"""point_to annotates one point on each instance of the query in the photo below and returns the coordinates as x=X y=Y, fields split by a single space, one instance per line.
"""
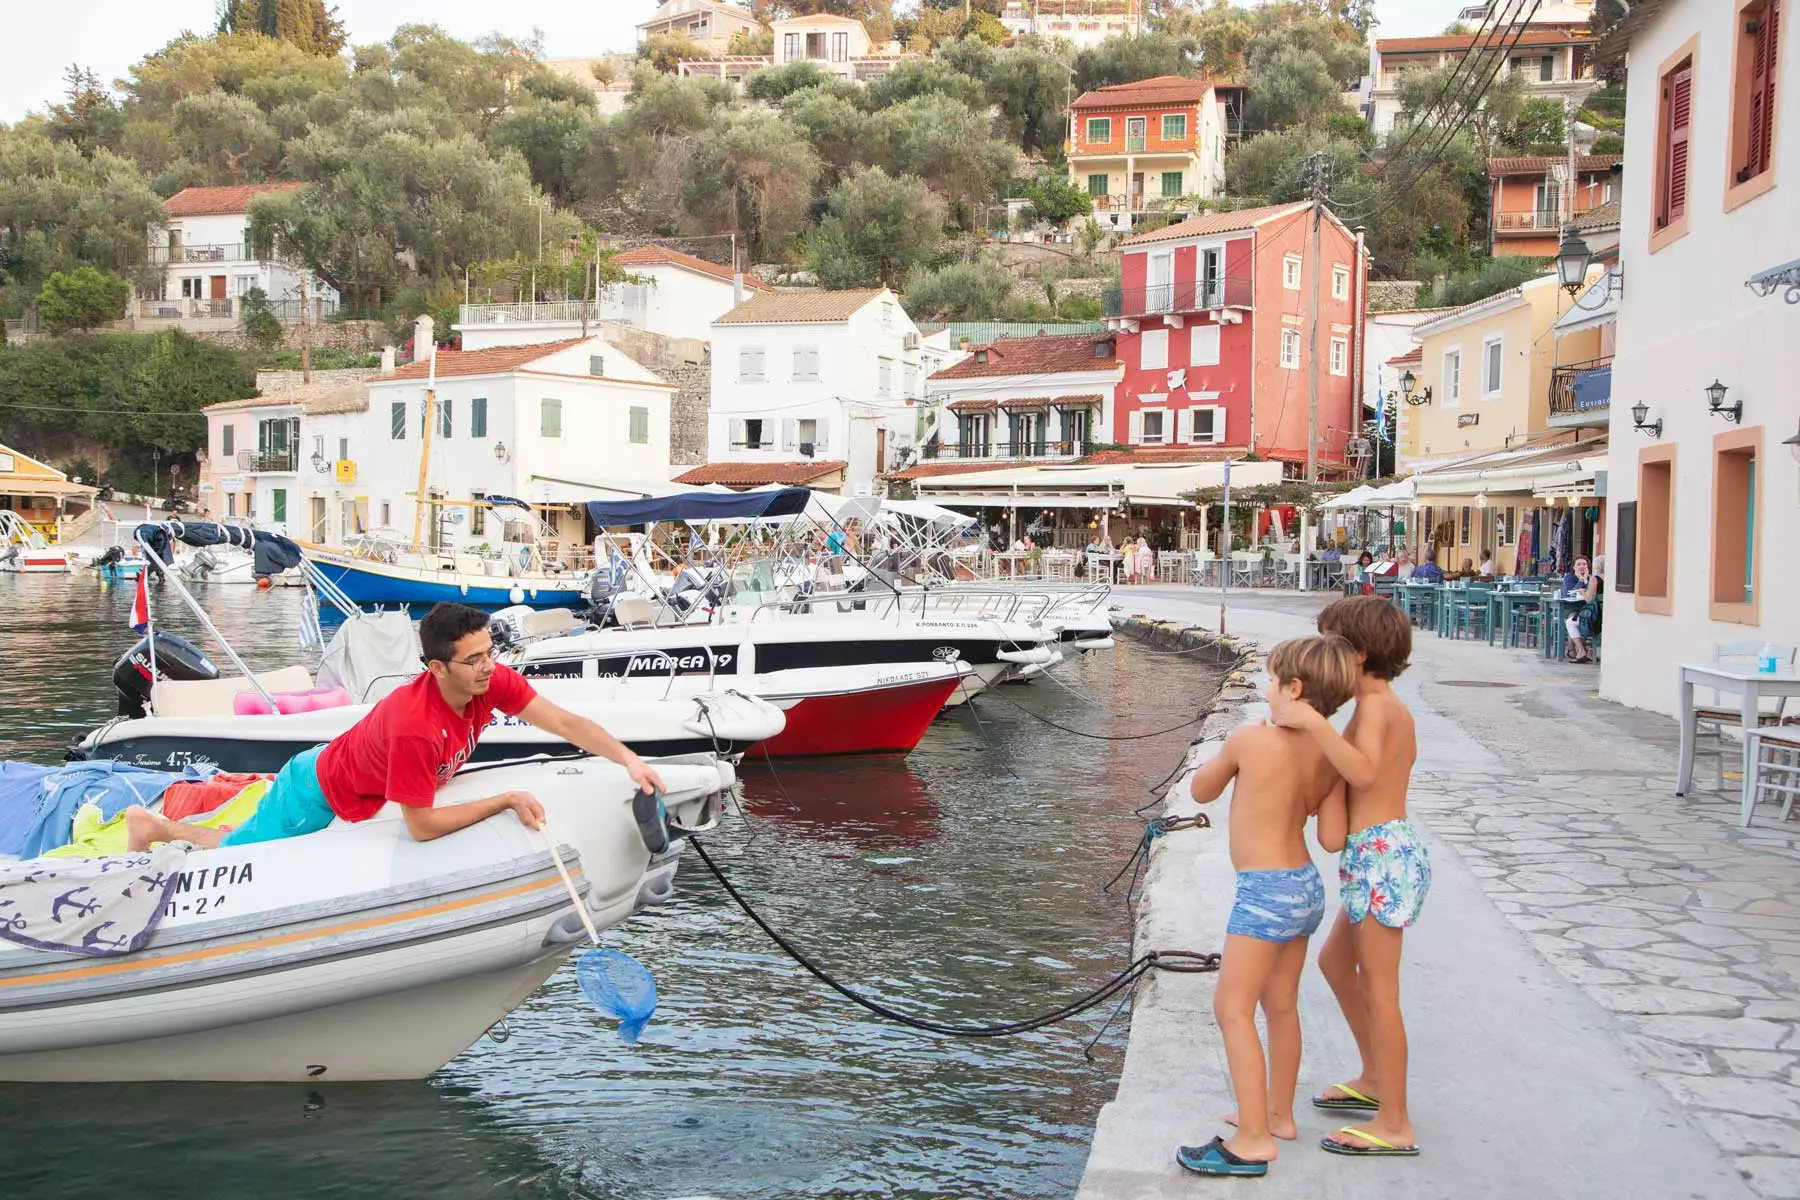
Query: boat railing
x=193 y=605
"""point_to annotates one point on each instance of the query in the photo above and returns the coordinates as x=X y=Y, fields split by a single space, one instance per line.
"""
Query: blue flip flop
x=1214 y=1159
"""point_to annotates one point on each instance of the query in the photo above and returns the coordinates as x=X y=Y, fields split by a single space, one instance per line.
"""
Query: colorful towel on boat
x=95 y=906
x=38 y=804
x=96 y=835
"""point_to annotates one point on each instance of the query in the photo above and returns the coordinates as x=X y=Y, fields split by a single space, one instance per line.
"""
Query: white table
x=1751 y=687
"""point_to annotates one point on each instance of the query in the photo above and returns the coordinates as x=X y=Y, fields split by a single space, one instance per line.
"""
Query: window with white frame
x=884 y=377
x=1492 y=350
x=1154 y=346
x=1290 y=272
x=1340 y=283
x=1152 y=426
x=1203 y=346
x=1290 y=348
x=750 y=364
x=806 y=364
x=1340 y=356
x=1452 y=378
x=1206 y=424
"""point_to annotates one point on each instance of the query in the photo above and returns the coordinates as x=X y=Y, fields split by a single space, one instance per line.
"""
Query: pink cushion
x=250 y=704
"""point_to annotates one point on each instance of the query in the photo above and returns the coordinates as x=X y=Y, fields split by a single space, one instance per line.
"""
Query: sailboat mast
x=424 y=497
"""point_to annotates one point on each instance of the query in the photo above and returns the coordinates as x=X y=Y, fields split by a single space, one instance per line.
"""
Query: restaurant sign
x=1468 y=419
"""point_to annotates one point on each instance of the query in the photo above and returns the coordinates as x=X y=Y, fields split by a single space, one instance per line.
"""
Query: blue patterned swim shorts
x=1278 y=906
x=1385 y=872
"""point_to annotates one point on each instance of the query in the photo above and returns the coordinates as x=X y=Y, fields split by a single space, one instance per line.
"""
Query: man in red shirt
x=407 y=747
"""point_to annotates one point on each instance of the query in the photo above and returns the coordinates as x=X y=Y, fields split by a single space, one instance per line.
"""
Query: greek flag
x=696 y=543
x=310 y=633
x=617 y=568
x=1380 y=406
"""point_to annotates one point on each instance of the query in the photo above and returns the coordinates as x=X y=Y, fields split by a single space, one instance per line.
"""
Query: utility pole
x=305 y=327
x=1568 y=205
x=1317 y=166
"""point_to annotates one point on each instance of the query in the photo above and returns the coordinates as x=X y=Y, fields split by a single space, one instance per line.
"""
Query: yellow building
x=44 y=496
x=1479 y=436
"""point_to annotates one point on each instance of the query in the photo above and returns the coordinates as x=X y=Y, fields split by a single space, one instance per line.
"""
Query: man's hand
x=641 y=774
x=530 y=812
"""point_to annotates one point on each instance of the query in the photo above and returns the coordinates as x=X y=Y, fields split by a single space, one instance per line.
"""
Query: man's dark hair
x=1375 y=628
x=444 y=626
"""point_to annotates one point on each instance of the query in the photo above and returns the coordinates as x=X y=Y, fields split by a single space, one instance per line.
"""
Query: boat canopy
x=273 y=553
x=699 y=506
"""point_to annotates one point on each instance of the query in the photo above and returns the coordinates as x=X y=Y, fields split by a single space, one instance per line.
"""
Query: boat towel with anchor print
x=93 y=906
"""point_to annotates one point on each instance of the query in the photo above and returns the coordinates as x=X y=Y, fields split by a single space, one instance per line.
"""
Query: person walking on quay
x=1282 y=780
x=1383 y=874
x=407 y=747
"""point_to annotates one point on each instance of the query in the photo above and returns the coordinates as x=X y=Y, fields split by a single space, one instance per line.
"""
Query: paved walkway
x=1601 y=995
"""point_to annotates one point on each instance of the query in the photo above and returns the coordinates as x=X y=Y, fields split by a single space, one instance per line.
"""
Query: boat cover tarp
x=699 y=506
x=93 y=906
x=368 y=650
x=273 y=553
x=38 y=804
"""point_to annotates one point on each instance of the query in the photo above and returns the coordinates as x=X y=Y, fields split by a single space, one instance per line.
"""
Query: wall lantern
x=1572 y=261
x=500 y=452
x=1793 y=445
x=1715 y=401
x=1640 y=420
x=1409 y=382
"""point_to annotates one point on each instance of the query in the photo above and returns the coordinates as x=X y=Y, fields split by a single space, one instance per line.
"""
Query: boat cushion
x=248 y=704
x=217 y=697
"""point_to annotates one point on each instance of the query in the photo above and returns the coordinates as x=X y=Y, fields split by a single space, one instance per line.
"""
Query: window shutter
x=823 y=433
x=788 y=440
x=1135 y=429
x=1762 y=88
x=1218 y=426
x=739 y=431
x=1681 y=100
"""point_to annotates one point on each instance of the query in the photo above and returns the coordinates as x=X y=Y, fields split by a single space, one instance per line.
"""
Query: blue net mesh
x=619 y=986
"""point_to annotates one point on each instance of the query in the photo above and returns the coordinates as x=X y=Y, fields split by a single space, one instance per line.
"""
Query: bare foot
x=1251 y=1151
x=142 y=827
x=1282 y=1127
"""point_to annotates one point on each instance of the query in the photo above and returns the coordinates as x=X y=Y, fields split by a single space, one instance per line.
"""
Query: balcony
x=1581 y=393
x=1538 y=221
x=200 y=253
x=989 y=451
x=1169 y=298
x=269 y=461
x=225 y=308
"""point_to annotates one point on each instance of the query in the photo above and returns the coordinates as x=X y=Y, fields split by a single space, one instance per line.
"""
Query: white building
x=840 y=46
x=209 y=264
x=1038 y=398
x=1084 y=23
x=1552 y=61
x=670 y=294
x=704 y=21
x=820 y=388
x=1703 y=510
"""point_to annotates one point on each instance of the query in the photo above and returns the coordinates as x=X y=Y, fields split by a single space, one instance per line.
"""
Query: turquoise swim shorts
x=295 y=804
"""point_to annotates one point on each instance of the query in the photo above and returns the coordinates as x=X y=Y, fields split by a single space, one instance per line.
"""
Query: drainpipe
x=737 y=288
x=1359 y=313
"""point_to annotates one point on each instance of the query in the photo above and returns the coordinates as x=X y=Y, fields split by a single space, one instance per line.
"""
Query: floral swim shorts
x=1385 y=872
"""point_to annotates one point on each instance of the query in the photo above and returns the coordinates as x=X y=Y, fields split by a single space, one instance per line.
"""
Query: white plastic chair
x=1711 y=721
x=1774 y=771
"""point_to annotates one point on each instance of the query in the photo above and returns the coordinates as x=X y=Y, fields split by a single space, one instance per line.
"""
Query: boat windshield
x=753 y=583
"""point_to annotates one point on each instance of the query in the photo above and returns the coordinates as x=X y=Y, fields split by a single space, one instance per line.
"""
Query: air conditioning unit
x=909 y=341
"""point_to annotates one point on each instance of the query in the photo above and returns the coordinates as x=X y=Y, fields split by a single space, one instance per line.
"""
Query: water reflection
x=960 y=883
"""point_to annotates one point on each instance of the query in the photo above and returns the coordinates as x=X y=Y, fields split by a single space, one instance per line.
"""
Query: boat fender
x=659 y=890
x=652 y=821
x=516 y=595
x=465 y=589
x=264 y=583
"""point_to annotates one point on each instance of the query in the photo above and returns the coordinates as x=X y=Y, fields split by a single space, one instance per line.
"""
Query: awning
x=1088 y=401
x=1053 y=486
x=972 y=405
x=1515 y=473
x=548 y=489
x=699 y=506
x=1025 y=404
x=56 y=489
x=1354 y=498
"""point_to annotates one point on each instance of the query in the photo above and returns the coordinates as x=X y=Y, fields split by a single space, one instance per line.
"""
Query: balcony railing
x=268 y=460
x=1067 y=448
x=1161 y=298
x=201 y=252
x=1136 y=202
x=541 y=310
x=1581 y=388
x=1539 y=221
x=187 y=308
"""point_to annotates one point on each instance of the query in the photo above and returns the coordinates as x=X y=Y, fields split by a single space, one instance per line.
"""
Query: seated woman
x=1584 y=622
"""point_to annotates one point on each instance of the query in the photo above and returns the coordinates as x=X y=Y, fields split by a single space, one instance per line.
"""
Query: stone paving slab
x=1615 y=965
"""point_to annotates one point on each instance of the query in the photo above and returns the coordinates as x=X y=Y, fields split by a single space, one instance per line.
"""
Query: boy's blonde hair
x=1325 y=666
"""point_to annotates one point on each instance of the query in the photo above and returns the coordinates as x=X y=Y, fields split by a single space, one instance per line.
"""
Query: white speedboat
x=354 y=953
x=24 y=550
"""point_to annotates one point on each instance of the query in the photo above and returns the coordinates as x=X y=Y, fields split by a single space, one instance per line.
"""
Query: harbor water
x=962 y=883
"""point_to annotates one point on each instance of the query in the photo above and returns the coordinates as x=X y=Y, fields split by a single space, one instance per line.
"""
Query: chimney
x=387 y=360
x=737 y=288
x=422 y=341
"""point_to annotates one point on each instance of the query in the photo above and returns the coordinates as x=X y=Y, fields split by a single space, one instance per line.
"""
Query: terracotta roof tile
x=1025 y=403
x=1217 y=222
x=755 y=474
x=646 y=256
x=1412 y=357
x=972 y=405
x=1160 y=89
x=1599 y=217
x=797 y=307
x=1463 y=41
x=221 y=201
x=927 y=470
x=1079 y=401
x=1538 y=164
x=1039 y=355
x=482 y=362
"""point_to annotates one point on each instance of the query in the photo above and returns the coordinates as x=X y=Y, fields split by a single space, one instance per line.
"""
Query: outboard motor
x=176 y=658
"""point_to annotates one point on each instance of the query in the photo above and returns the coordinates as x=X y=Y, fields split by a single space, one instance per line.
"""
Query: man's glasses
x=475 y=661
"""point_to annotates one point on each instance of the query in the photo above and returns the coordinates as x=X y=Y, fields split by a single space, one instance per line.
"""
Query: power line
x=1436 y=112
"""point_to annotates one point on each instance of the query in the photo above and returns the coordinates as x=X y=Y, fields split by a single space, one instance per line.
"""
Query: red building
x=1213 y=328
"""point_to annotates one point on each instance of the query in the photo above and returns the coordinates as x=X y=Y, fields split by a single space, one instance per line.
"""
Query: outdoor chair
x=1527 y=626
x=1712 y=721
x=1246 y=572
x=1466 y=612
x=1774 y=771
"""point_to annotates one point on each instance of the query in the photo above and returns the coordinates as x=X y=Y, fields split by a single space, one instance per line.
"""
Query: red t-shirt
x=410 y=744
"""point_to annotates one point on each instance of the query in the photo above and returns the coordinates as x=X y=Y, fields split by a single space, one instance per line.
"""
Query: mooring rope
x=1101 y=737
x=1186 y=961
x=1154 y=828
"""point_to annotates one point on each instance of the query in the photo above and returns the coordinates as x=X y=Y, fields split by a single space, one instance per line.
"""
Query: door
x=217 y=297
x=1159 y=294
x=881 y=459
x=316 y=526
x=1134 y=134
x=1137 y=187
x=1075 y=430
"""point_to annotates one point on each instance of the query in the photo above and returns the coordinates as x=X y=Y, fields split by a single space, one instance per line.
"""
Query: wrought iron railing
x=1159 y=298
x=1584 y=387
x=268 y=460
x=1045 y=448
x=1540 y=220
x=541 y=310
x=200 y=252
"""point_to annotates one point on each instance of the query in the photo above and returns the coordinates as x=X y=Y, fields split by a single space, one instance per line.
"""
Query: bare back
x=1282 y=778
x=1382 y=728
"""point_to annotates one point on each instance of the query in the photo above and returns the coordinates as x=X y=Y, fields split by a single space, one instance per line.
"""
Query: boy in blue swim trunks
x=1282 y=779
x=1383 y=875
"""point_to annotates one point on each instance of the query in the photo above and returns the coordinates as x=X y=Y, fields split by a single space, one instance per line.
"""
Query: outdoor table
x=1751 y=687
x=1500 y=611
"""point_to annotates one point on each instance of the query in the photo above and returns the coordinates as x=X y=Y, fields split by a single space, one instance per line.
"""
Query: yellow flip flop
x=1375 y=1149
x=1351 y=1099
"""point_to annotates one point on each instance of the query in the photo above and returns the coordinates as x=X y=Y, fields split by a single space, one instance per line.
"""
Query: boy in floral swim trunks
x=1282 y=779
x=1383 y=875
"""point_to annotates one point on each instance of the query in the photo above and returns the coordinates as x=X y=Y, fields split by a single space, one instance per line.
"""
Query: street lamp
x=1715 y=402
x=1409 y=382
x=1640 y=420
x=1572 y=261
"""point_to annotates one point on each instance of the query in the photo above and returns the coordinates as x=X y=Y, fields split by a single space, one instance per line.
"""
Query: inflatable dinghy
x=354 y=953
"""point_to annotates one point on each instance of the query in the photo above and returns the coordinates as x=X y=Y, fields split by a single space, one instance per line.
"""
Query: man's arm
x=1210 y=780
x=578 y=731
x=1359 y=761
x=427 y=823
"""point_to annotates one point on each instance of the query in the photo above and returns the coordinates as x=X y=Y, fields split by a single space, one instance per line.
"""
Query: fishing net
x=619 y=986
